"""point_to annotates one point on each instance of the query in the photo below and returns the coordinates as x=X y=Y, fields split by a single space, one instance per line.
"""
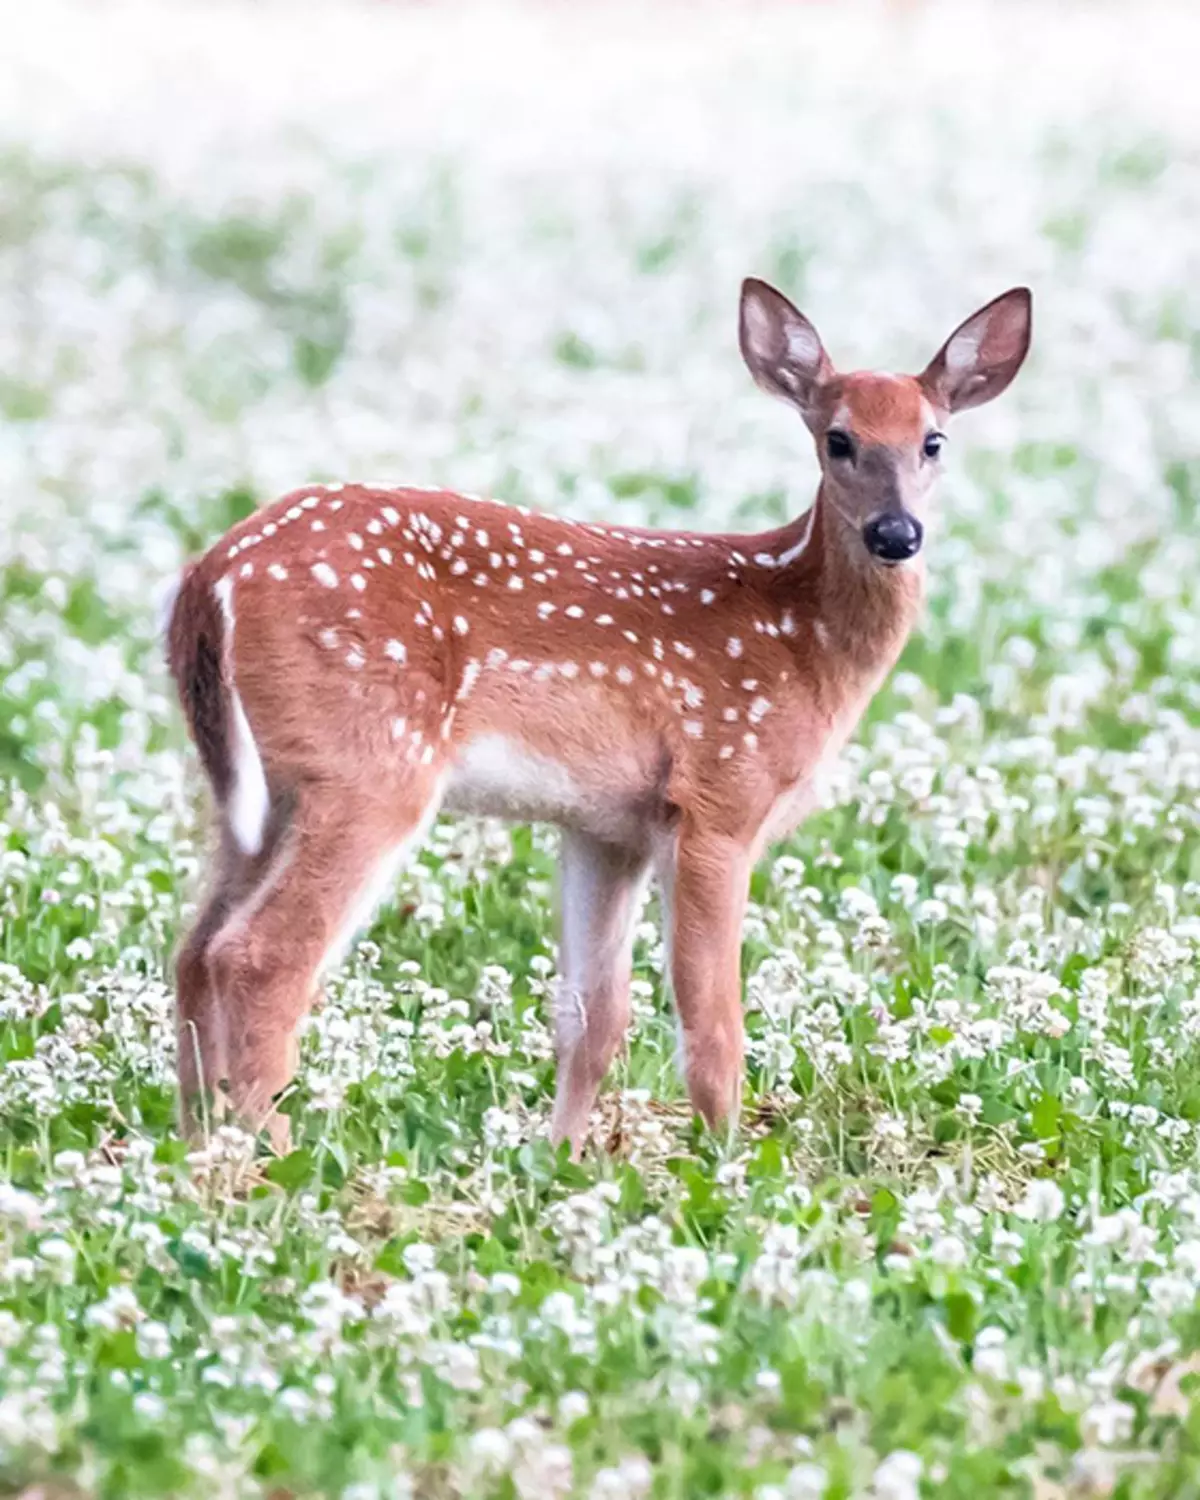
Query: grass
x=954 y=1247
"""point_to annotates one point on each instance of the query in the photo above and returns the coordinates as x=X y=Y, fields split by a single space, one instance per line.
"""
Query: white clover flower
x=630 y=1480
x=1042 y=1202
x=150 y=1406
x=118 y=1310
x=490 y=1449
x=898 y=1476
x=805 y=1481
x=1107 y=1423
x=572 y=1407
x=153 y=1340
x=19 y=1207
x=949 y=1251
x=58 y=1257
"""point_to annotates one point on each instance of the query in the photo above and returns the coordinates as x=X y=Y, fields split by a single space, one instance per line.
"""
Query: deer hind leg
x=200 y=1020
x=200 y=1037
x=342 y=851
x=602 y=885
x=707 y=885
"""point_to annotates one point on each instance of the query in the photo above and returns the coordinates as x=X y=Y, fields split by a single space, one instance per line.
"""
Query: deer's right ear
x=781 y=348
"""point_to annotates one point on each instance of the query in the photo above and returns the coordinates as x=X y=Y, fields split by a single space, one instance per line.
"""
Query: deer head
x=880 y=437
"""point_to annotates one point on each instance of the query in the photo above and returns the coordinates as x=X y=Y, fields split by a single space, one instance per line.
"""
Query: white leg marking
x=664 y=869
x=599 y=908
x=249 y=801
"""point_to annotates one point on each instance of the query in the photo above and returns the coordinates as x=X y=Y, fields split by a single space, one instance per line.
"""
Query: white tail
x=354 y=658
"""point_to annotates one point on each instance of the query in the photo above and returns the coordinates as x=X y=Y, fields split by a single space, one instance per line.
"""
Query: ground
x=954 y=1247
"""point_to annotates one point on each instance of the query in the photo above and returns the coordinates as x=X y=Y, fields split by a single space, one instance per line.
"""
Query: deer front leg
x=602 y=887
x=706 y=886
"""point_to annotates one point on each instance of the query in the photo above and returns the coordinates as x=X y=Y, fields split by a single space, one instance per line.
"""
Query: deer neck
x=860 y=613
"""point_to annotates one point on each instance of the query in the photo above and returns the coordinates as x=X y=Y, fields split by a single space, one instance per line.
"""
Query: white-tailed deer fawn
x=355 y=657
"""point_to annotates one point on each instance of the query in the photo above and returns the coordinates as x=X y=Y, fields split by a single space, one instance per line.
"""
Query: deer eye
x=934 y=442
x=839 y=444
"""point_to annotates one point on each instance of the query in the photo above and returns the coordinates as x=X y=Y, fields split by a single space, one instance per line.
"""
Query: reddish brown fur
x=887 y=409
x=669 y=698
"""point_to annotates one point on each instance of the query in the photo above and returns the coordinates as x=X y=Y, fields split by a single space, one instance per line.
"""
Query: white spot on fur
x=733 y=647
x=396 y=650
x=470 y=677
x=324 y=575
x=758 y=710
x=277 y=570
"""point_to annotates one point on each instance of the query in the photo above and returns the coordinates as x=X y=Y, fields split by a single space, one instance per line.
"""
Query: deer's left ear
x=982 y=355
x=782 y=350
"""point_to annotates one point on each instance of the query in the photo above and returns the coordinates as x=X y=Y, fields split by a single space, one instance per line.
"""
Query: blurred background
x=499 y=247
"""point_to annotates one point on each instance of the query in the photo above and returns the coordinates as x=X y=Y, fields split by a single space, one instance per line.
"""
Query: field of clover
x=954 y=1248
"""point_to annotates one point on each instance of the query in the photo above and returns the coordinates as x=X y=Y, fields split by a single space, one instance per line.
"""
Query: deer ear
x=781 y=348
x=982 y=355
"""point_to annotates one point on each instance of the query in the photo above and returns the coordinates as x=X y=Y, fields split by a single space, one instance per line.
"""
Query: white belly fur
x=497 y=777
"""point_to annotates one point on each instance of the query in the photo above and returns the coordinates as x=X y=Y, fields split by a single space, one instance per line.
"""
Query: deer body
x=355 y=657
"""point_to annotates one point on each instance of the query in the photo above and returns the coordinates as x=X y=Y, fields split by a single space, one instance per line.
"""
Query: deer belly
x=495 y=776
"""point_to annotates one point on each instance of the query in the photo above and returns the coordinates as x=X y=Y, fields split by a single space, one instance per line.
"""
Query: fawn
x=356 y=657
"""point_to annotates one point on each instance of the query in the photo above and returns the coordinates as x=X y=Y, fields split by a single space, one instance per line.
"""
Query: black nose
x=893 y=536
